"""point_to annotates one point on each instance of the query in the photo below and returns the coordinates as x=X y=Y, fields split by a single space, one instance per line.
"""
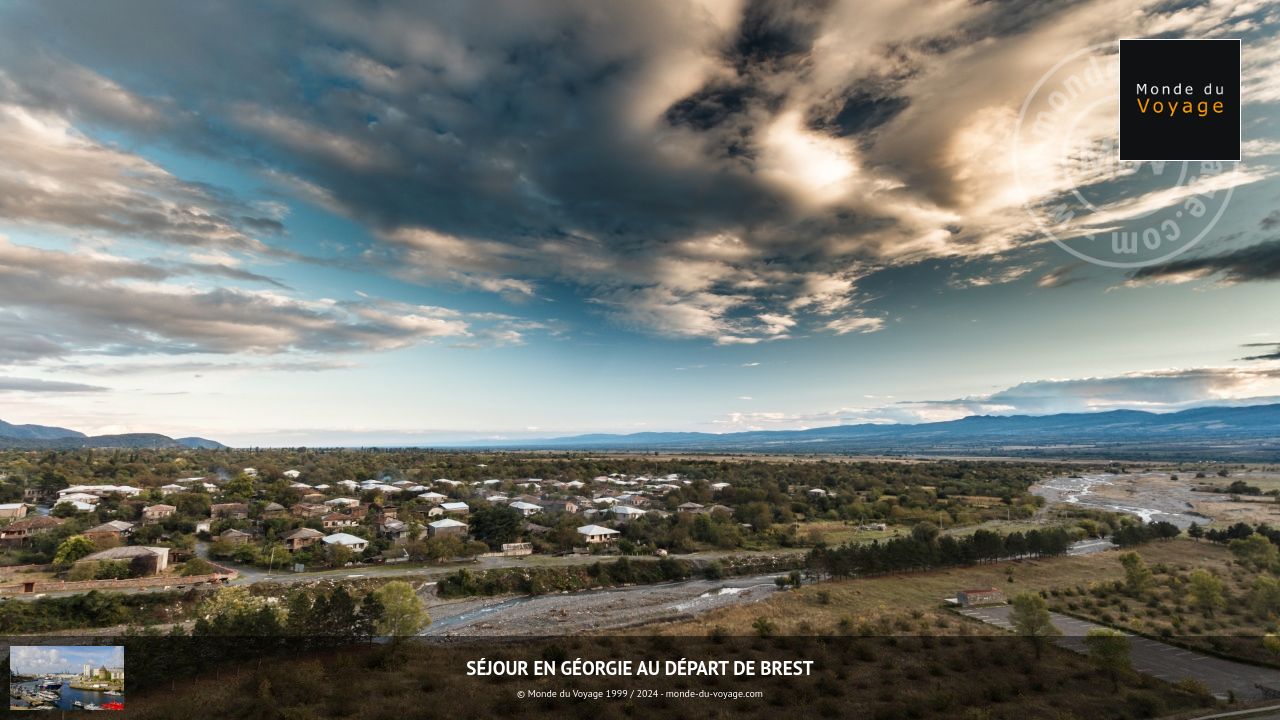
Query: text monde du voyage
x=1181 y=99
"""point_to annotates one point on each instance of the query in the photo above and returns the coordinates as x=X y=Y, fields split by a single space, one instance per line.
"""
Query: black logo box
x=1185 y=67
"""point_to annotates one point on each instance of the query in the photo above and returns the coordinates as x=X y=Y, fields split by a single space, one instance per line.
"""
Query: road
x=1167 y=662
x=563 y=614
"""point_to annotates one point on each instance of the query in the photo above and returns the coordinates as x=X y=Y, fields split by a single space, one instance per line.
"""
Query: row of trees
x=924 y=549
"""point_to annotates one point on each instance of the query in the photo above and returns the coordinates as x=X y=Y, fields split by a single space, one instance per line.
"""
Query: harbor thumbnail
x=66 y=677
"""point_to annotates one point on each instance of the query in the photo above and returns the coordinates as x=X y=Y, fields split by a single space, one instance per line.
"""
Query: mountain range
x=1241 y=433
x=40 y=437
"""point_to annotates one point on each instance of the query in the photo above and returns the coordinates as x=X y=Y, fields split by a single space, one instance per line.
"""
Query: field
x=915 y=600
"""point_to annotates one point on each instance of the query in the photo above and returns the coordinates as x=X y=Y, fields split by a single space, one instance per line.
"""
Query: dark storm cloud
x=698 y=169
x=1248 y=264
x=1272 y=351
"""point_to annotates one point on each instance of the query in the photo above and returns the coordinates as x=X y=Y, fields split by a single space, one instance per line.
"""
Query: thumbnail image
x=66 y=677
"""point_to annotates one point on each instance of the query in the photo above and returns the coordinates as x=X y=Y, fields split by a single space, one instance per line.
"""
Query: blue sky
x=333 y=222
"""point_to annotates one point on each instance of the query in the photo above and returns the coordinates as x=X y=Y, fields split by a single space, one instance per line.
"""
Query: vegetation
x=1031 y=619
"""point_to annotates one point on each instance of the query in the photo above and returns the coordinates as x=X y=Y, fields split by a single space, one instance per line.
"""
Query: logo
x=1101 y=209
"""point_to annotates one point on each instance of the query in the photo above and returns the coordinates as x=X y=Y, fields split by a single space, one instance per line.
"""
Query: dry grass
x=822 y=606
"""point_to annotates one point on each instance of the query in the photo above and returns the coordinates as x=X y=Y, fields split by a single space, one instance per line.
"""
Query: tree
x=1265 y=597
x=403 y=612
x=495 y=525
x=72 y=549
x=338 y=554
x=1109 y=653
x=1195 y=531
x=925 y=532
x=1255 y=552
x=1031 y=619
x=1137 y=576
x=1206 y=591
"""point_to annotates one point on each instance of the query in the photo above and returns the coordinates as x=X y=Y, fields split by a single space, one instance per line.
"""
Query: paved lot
x=1166 y=662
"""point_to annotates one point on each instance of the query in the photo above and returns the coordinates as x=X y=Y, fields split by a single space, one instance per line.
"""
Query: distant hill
x=41 y=437
x=36 y=432
x=1239 y=433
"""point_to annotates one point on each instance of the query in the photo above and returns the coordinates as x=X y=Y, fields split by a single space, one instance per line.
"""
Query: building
x=302 y=538
x=596 y=534
x=274 y=510
x=980 y=596
x=146 y=560
x=626 y=513
x=337 y=520
x=231 y=536
x=12 y=511
x=20 y=530
x=229 y=510
x=308 y=510
x=100 y=490
x=689 y=507
x=356 y=544
x=447 y=526
x=525 y=508
x=455 y=508
x=153 y=513
x=116 y=530
x=171 y=488
x=561 y=506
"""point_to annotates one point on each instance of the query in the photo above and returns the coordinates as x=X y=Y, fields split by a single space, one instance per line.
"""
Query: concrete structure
x=525 y=508
x=980 y=596
x=12 y=511
x=234 y=537
x=148 y=560
x=229 y=510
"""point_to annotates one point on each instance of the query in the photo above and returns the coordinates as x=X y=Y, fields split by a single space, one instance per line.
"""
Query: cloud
x=1156 y=391
x=33 y=385
x=721 y=170
x=61 y=303
x=1252 y=263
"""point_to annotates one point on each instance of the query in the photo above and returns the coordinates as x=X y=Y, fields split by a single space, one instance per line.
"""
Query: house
x=689 y=507
x=145 y=560
x=596 y=534
x=337 y=520
x=234 y=537
x=308 y=510
x=455 y=508
x=12 y=510
x=115 y=530
x=817 y=492
x=229 y=510
x=342 y=502
x=717 y=487
x=980 y=596
x=626 y=513
x=82 y=498
x=395 y=530
x=292 y=474
x=171 y=488
x=152 y=513
x=525 y=508
x=100 y=490
x=434 y=498
x=356 y=544
x=447 y=526
x=301 y=538
x=20 y=530
x=274 y=510
x=561 y=506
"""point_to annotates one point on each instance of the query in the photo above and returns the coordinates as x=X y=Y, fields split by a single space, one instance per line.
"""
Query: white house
x=342 y=502
x=594 y=534
x=455 y=508
x=526 y=509
x=626 y=513
x=356 y=544
x=292 y=474
x=433 y=497
x=171 y=488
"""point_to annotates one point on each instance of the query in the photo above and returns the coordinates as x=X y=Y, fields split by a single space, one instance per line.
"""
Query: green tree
x=1206 y=591
x=1109 y=653
x=1264 y=599
x=1255 y=552
x=1031 y=619
x=403 y=612
x=1137 y=576
x=72 y=549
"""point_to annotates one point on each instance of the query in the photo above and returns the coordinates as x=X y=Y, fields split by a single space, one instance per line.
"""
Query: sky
x=41 y=659
x=325 y=222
